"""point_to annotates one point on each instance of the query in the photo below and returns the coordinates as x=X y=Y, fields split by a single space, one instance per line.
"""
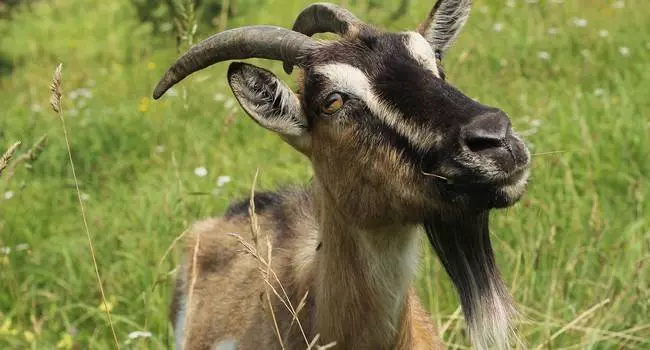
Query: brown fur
x=228 y=300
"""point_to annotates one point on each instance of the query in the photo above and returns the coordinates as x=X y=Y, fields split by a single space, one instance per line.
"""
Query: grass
x=575 y=251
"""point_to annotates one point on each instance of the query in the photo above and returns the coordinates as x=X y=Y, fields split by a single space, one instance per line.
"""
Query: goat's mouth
x=498 y=190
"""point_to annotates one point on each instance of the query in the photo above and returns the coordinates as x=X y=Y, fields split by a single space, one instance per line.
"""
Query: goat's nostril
x=481 y=143
x=486 y=131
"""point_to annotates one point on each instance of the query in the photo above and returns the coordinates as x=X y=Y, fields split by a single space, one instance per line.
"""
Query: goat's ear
x=444 y=23
x=271 y=103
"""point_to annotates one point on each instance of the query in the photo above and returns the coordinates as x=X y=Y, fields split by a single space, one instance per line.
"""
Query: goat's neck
x=361 y=278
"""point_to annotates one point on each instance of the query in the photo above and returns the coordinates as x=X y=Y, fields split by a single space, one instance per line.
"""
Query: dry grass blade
x=6 y=157
x=55 y=101
x=265 y=267
x=30 y=156
x=326 y=346
x=167 y=252
x=580 y=317
x=312 y=345
x=621 y=335
x=255 y=227
x=188 y=304
x=546 y=153
x=451 y=319
x=254 y=251
x=223 y=16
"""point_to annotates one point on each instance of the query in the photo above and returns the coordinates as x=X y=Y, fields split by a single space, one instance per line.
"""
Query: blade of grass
x=55 y=101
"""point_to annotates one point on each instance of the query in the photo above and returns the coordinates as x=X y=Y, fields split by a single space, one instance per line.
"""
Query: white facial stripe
x=422 y=52
x=351 y=80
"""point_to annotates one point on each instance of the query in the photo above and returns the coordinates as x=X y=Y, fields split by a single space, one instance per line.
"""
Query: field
x=573 y=75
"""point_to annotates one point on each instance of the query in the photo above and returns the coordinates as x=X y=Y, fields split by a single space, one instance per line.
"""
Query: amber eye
x=333 y=103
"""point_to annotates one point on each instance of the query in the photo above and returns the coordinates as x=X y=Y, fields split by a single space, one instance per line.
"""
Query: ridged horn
x=268 y=42
x=326 y=18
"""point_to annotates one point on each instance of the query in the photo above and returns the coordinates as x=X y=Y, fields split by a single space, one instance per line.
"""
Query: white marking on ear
x=352 y=80
x=448 y=20
x=422 y=52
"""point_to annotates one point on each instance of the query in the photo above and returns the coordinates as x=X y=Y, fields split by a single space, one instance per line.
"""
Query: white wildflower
x=84 y=196
x=599 y=92
x=229 y=104
x=219 y=97
x=222 y=180
x=81 y=92
x=35 y=107
x=497 y=27
x=201 y=171
x=553 y=31
x=618 y=4
x=159 y=149
x=172 y=92
x=8 y=195
x=624 y=51
x=543 y=55
x=510 y=3
x=5 y=250
x=139 y=334
x=603 y=33
x=21 y=247
x=579 y=22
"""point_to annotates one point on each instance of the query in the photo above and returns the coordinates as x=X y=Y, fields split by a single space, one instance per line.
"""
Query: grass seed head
x=57 y=89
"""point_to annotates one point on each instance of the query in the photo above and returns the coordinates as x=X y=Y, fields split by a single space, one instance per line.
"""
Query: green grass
x=580 y=238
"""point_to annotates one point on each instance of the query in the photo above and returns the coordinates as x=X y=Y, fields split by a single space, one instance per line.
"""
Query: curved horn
x=324 y=17
x=327 y=18
x=247 y=42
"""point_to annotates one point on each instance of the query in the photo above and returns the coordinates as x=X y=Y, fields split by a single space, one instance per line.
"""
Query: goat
x=396 y=151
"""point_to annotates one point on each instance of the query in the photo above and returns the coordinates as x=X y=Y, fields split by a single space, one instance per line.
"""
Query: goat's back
x=220 y=287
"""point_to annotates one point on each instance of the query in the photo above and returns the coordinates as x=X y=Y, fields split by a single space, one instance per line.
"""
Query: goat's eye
x=333 y=103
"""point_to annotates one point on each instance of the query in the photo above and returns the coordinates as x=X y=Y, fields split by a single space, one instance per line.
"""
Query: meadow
x=573 y=75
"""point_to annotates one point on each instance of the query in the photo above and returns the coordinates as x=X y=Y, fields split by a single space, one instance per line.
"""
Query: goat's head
x=389 y=139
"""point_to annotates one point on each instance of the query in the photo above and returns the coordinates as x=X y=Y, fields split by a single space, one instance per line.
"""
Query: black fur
x=462 y=243
x=263 y=201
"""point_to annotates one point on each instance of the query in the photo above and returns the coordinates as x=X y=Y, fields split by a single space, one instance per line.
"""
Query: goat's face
x=382 y=126
x=386 y=126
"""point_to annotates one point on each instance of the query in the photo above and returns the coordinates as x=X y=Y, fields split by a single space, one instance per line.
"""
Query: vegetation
x=572 y=74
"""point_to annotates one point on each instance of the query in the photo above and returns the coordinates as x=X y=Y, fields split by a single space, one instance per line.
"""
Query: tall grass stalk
x=55 y=101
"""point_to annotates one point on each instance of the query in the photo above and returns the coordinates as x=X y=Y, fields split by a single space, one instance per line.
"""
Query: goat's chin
x=485 y=195
x=462 y=243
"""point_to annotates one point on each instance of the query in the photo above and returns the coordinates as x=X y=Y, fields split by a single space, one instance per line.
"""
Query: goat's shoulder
x=226 y=283
x=284 y=218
